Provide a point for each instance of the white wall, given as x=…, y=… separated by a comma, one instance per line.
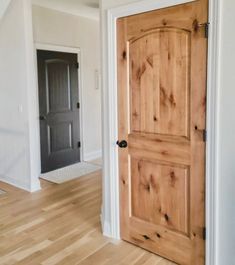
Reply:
x=16, y=80
x=114, y=3
x=57, y=28
x=226, y=157
x=226, y=242
x=81, y=8
x=3, y=6
x=19, y=123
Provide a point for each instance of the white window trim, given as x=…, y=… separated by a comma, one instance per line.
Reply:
x=110, y=210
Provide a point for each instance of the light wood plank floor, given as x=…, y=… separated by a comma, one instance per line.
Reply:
x=61, y=225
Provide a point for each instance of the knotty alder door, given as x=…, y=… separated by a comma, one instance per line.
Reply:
x=162, y=60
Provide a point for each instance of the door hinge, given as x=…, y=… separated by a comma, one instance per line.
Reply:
x=78, y=105
x=205, y=26
x=77, y=65
x=79, y=144
x=204, y=233
x=204, y=135
x=207, y=30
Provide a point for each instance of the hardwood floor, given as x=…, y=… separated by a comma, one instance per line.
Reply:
x=61, y=225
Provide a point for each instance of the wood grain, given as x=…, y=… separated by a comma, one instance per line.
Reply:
x=61, y=225
x=159, y=62
x=160, y=194
x=162, y=66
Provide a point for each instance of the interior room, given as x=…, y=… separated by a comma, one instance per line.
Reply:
x=117, y=132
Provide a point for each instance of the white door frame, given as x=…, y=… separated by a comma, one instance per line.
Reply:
x=66, y=49
x=111, y=217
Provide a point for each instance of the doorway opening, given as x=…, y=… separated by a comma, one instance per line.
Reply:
x=111, y=82
x=59, y=109
x=60, y=114
x=69, y=94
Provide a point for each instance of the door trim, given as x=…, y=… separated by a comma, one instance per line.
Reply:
x=111, y=216
x=75, y=50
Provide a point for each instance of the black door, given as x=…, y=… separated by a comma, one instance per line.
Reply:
x=59, y=110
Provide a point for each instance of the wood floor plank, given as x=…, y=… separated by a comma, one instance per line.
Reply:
x=60, y=225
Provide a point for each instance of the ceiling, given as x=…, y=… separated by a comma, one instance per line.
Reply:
x=86, y=8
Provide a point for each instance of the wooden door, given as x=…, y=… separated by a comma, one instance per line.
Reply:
x=59, y=113
x=162, y=63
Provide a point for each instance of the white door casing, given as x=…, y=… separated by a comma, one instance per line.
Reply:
x=110, y=210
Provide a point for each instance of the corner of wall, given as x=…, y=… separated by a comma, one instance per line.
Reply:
x=35, y=186
x=34, y=142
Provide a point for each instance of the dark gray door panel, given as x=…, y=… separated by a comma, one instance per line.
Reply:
x=59, y=115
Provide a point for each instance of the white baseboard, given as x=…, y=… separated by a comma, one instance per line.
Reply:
x=35, y=186
x=20, y=185
x=14, y=182
x=93, y=155
x=106, y=228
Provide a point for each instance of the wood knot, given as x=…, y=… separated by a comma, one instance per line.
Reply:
x=150, y=61
x=172, y=100
x=146, y=237
x=124, y=55
x=158, y=235
x=195, y=25
x=164, y=22
x=166, y=217
x=148, y=188
x=135, y=114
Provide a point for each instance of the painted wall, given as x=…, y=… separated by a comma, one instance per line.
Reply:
x=82, y=8
x=226, y=166
x=3, y=6
x=17, y=155
x=226, y=213
x=57, y=28
x=106, y=4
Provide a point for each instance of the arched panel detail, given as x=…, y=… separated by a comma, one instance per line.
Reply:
x=160, y=82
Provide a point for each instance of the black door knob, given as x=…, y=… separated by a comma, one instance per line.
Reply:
x=42, y=118
x=122, y=144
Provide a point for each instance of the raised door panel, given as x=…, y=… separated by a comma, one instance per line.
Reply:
x=60, y=137
x=160, y=194
x=160, y=82
x=58, y=86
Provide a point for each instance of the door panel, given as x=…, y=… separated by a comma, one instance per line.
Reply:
x=58, y=98
x=60, y=137
x=58, y=86
x=162, y=60
x=163, y=107
x=160, y=194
